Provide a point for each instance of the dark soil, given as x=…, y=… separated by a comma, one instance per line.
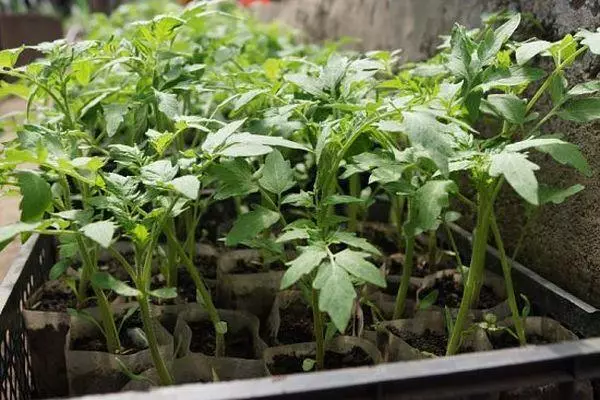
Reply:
x=237, y=344
x=288, y=364
x=380, y=237
x=430, y=342
x=127, y=344
x=296, y=324
x=207, y=265
x=187, y=289
x=450, y=294
x=419, y=271
x=256, y=266
x=59, y=301
x=504, y=340
x=546, y=392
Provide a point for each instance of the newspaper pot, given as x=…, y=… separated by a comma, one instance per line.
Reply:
x=253, y=292
x=492, y=297
x=423, y=337
x=46, y=334
x=28, y=29
x=102, y=372
x=341, y=352
x=539, y=330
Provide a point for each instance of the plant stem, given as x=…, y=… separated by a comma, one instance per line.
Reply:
x=159, y=362
x=319, y=331
x=353, y=207
x=204, y=294
x=432, y=249
x=405, y=281
x=510, y=290
x=397, y=212
x=524, y=231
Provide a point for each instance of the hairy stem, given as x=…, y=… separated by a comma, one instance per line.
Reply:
x=405, y=281
x=319, y=331
x=353, y=207
x=161, y=367
x=510, y=290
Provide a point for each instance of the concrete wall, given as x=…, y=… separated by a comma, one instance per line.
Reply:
x=564, y=245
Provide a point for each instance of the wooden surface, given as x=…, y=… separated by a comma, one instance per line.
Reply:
x=9, y=205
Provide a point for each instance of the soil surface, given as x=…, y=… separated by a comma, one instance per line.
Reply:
x=207, y=265
x=291, y=364
x=505, y=340
x=430, y=342
x=59, y=301
x=237, y=344
x=419, y=270
x=379, y=236
x=296, y=324
x=450, y=294
x=187, y=289
x=256, y=266
x=128, y=345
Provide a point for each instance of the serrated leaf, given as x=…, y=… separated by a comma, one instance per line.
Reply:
x=245, y=150
x=101, y=232
x=246, y=98
x=527, y=51
x=161, y=171
x=549, y=194
x=529, y=143
x=508, y=107
x=187, y=185
x=584, y=88
x=428, y=203
x=252, y=139
x=513, y=76
x=355, y=263
x=214, y=140
x=293, y=234
x=519, y=173
x=164, y=293
x=249, y=225
x=353, y=241
x=82, y=70
x=581, y=109
x=304, y=264
x=9, y=57
x=8, y=232
x=341, y=199
x=114, y=115
x=234, y=178
x=277, y=175
x=308, y=84
x=59, y=269
x=336, y=297
x=425, y=131
x=302, y=199
x=590, y=39
x=567, y=154
x=106, y=281
x=37, y=196
x=160, y=140
x=167, y=104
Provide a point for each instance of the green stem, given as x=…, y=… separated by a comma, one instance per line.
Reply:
x=405, y=281
x=510, y=290
x=204, y=294
x=353, y=207
x=432, y=249
x=319, y=331
x=159, y=362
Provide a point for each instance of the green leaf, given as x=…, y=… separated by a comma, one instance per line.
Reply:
x=106, y=281
x=308, y=364
x=101, y=232
x=187, y=185
x=82, y=70
x=353, y=241
x=59, y=269
x=527, y=51
x=214, y=140
x=302, y=199
x=245, y=150
x=277, y=175
x=429, y=300
x=563, y=50
x=567, y=154
x=581, y=109
x=160, y=140
x=246, y=98
x=164, y=293
x=9, y=57
x=293, y=234
x=557, y=87
x=114, y=115
x=548, y=194
x=304, y=264
x=584, y=88
x=508, y=107
x=336, y=297
x=354, y=262
x=251, y=139
x=249, y=225
x=167, y=104
x=459, y=59
x=37, y=196
x=341, y=199
x=8, y=232
x=425, y=131
x=493, y=42
x=519, y=173
x=513, y=76
x=529, y=143
x=428, y=203
x=161, y=171
x=234, y=178
x=590, y=39
x=308, y=84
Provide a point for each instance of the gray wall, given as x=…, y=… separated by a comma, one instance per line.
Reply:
x=564, y=245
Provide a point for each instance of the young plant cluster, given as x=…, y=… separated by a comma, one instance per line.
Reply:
x=136, y=134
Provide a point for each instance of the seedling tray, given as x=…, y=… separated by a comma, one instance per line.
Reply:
x=475, y=375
